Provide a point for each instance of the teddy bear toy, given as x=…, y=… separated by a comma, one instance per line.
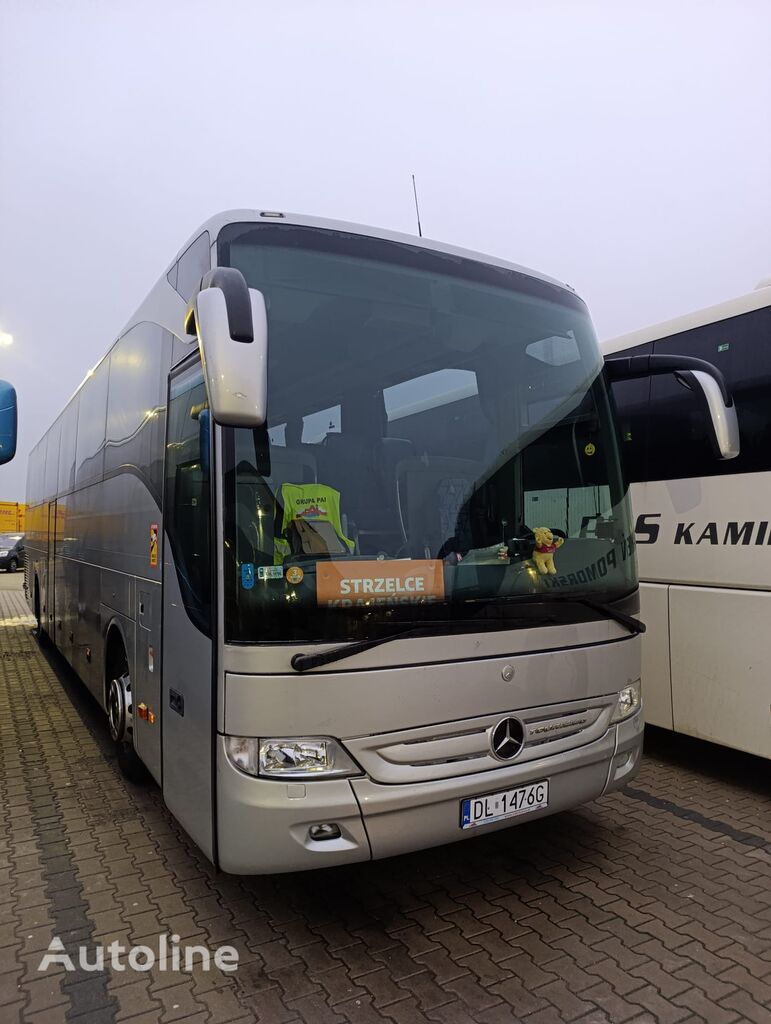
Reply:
x=545, y=546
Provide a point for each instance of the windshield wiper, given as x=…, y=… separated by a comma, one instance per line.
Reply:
x=304, y=662
x=632, y=624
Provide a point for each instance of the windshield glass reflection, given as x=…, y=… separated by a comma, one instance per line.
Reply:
x=439, y=439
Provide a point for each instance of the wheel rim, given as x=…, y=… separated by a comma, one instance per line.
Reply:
x=13, y=565
x=116, y=709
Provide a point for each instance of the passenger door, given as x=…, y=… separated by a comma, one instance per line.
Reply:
x=187, y=691
x=50, y=592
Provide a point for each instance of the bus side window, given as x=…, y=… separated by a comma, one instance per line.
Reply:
x=187, y=504
x=139, y=363
x=89, y=463
x=194, y=262
x=679, y=438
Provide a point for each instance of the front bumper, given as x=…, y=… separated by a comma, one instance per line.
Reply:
x=263, y=824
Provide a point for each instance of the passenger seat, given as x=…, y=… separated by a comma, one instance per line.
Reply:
x=363, y=469
x=288, y=466
x=432, y=492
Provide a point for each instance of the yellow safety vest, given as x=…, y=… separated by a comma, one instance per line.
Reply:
x=313, y=511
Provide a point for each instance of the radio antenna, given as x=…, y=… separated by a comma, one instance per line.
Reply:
x=417, y=208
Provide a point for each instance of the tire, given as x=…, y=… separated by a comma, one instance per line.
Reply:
x=120, y=719
x=13, y=565
x=119, y=706
x=42, y=637
x=131, y=767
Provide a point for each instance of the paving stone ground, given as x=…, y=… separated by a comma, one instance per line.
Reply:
x=650, y=905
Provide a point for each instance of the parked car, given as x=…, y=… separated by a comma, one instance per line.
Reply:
x=11, y=551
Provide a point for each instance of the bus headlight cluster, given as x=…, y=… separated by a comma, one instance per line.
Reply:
x=629, y=701
x=293, y=757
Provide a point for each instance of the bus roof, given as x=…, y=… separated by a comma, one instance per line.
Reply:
x=164, y=306
x=215, y=224
x=756, y=299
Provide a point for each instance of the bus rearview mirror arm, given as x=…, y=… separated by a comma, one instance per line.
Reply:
x=8, y=422
x=231, y=324
x=700, y=376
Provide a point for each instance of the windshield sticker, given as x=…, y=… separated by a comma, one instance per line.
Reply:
x=247, y=575
x=294, y=574
x=401, y=581
x=267, y=572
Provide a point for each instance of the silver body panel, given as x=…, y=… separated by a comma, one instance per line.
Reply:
x=431, y=748
x=275, y=660
x=389, y=698
x=89, y=551
x=264, y=824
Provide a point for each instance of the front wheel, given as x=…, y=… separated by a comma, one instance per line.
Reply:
x=131, y=766
x=13, y=565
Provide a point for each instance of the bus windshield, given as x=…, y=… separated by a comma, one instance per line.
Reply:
x=440, y=440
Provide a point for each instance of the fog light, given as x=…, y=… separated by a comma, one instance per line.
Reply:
x=320, y=833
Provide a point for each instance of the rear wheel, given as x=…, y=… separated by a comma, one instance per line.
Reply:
x=120, y=715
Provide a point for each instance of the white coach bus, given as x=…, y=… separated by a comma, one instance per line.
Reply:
x=703, y=527
x=313, y=533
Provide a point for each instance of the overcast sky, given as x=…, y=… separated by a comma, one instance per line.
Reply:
x=625, y=148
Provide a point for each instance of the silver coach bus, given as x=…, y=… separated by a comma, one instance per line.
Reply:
x=337, y=535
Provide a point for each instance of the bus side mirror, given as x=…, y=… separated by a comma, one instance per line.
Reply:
x=698, y=376
x=231, y=324
x=8, y=422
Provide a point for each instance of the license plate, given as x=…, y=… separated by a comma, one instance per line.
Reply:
x=481, y=810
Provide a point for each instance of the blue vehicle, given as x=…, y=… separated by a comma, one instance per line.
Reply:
x=7, y=422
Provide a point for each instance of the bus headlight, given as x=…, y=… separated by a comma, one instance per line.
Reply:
x=629, y=701
x=292, y=757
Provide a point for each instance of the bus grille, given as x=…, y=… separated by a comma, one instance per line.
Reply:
x=450, y=749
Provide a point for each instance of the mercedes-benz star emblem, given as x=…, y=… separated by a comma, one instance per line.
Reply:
x=507, y=739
